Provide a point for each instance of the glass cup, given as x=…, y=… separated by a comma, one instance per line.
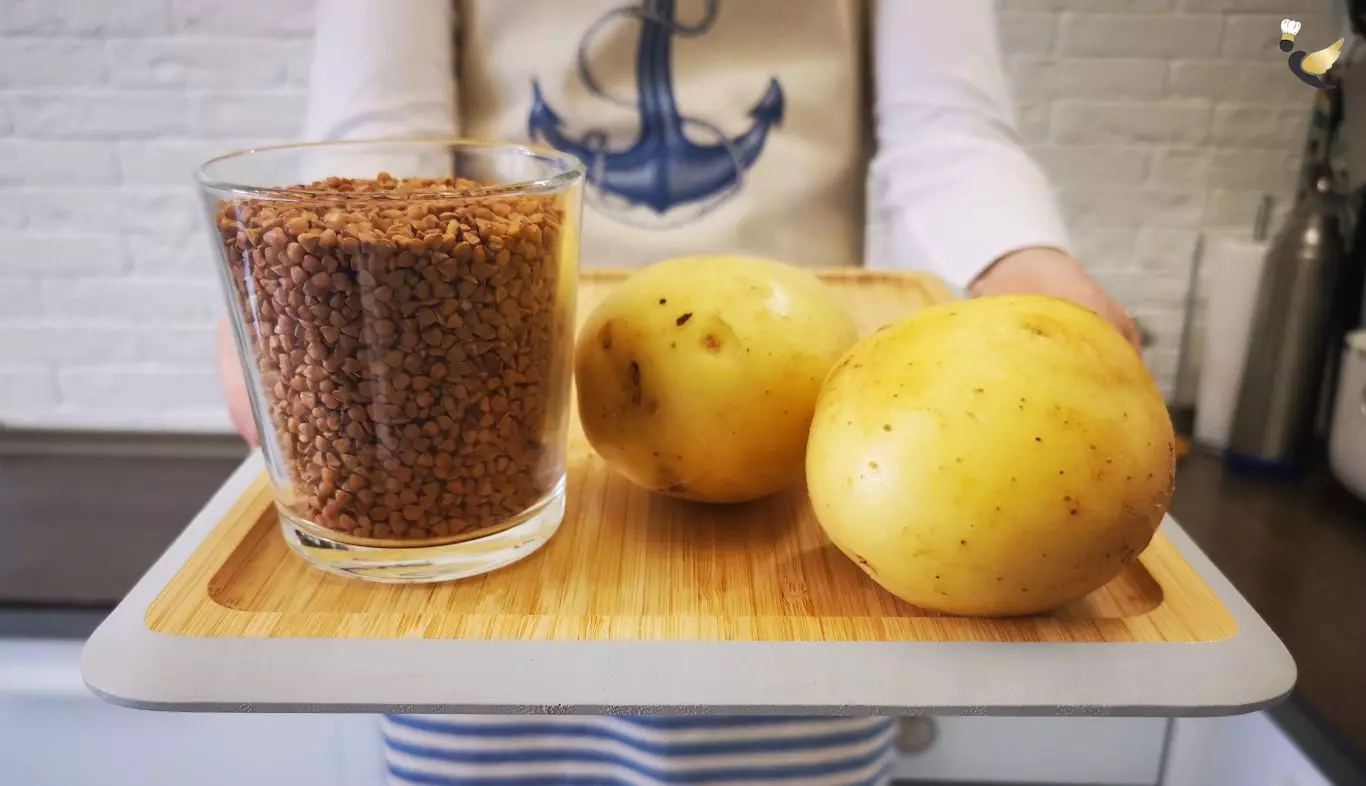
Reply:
x=405, y=322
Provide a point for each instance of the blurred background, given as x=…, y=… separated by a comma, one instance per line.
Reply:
x=1180, y=149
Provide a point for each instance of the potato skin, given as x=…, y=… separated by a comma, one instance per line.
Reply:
x=697, y=377
x=993, y=457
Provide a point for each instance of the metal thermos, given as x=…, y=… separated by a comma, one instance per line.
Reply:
x=1284, y=372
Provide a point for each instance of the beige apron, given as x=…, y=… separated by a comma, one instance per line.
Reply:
x=695, y=141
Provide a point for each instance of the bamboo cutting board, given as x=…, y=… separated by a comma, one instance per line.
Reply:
x=629, y=565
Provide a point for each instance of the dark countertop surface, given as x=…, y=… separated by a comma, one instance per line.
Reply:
x=85, y=515
x=1296, y=549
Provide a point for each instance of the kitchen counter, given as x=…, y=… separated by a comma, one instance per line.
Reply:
x=1296, y=550
x=85, y=514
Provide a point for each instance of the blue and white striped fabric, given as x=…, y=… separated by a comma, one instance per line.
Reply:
x=612, y=751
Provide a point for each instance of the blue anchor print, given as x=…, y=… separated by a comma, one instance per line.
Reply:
x=662, y=169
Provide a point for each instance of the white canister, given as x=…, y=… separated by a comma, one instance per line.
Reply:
x=1347, y=442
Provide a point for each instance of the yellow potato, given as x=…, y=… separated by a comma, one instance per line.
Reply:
x=697, y=377
x=999, y=456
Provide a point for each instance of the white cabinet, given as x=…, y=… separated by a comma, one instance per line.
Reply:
x=1248, y=750
x=81, y=741
x=1099, y=751
x=1245, y=750
x=54, y=732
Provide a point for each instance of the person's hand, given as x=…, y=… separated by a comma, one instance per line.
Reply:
x=235, y=386
x=1047, y=271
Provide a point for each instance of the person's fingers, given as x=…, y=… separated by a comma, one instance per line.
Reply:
x=235, y=386
x=1048, y=271
x=1130, y=331
x=1124, y=323
x=1118, y=316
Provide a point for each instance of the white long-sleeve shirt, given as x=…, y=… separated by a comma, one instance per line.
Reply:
x=768, y=151
x=741, y=126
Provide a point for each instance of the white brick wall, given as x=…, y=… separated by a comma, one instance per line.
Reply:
x=107, y=291
x=1157, y=119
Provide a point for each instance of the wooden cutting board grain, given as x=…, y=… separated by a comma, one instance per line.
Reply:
x=630, y=565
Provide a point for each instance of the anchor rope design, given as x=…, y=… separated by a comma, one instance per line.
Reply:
x=597, y=139
x=594, y=143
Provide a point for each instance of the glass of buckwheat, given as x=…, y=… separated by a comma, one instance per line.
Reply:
x=404, y=311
